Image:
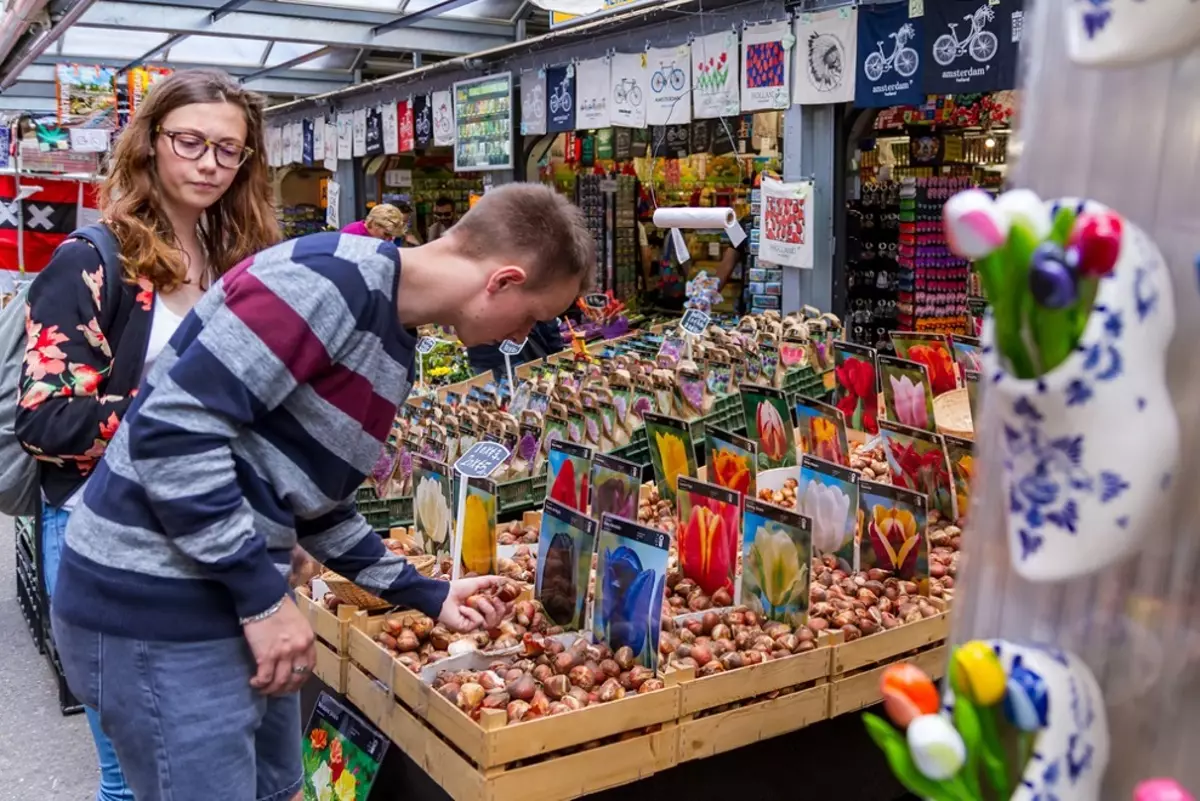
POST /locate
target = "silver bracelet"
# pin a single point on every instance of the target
(263, 615)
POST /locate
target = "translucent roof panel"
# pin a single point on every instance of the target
(337, 60)
(218, 50)
(482, 9)
(102, 43)
(387, 6)
(286, 51)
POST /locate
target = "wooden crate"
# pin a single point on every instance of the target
(331, 668)
(331, 628)
(552, 777)
(751, 722)
(861, 690)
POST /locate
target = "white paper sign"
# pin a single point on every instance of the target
(670, 85)
(715, 83)
(333, 194)
(533, 102)
(318, 129)
(591, 94)
(274, 146)
(285, 152)
(360, 132)
(443, 119)
(297, 142)
(345, 136)
(629, 90)
(826, 54)
(331, 146)
(89, 140)
(786, 236)
(391, 128)
(398, 178)
(766, 66)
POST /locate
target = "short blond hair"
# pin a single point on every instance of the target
(532, 226)
(386, 219)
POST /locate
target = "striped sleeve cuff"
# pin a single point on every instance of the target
(254, 582)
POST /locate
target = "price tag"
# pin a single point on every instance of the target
(426, 345)
(481, 460)
(916, 8)
(510, 348)
(694, 322)
(596, 300)
(89, 140)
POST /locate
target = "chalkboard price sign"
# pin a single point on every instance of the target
(694, 322)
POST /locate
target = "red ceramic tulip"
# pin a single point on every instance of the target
(1096, 243)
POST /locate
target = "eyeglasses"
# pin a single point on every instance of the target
(192, 147)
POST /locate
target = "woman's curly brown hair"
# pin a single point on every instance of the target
(237, 226)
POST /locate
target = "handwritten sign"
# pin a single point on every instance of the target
(694, 322)
(596, 300)
(426, 345)
(510, 348)
(481, 460)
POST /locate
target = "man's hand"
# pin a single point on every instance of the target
(484, 612)
(282, 644)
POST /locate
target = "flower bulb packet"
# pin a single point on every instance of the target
(961, 453)
(709, 535)
(769, 423)
(856, 385)
(971, 380)
(907, 393)
(932, 350)
(672, 453)
(894, 533)
(828, 496)
(475, 552)
(631, 572)
(566, 542)
(768, 358)
(821, 431)
(568, 467)
(731, 460)
(776, 556)
(918, 461)
(968, 354)
(433, 502)
(615, 486)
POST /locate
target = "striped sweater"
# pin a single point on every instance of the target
(251, 433)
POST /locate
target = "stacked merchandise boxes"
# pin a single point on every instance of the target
(872, 267)
(933, 281)
(609, 206)
(764, 281)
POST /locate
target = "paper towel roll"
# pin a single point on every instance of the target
(694, 218)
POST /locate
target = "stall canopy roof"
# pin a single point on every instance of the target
(282, 48)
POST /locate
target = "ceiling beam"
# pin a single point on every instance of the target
(408, 20)
(274, 85)
(170, 42)
(286, 65)
(42, 71)
(35, 105)
(178, 20)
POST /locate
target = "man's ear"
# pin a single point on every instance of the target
(507, 276)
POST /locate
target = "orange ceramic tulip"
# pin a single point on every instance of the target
(907, 693)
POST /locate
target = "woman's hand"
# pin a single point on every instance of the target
(283, 647)
(485, 612)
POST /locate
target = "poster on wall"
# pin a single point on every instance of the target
(318, 148)
(766, 66)
(422, 120)
(345, 136)
(374, 137)
(87, 96)
(360, 132)
(391, 128)
(533, 102)
(826, 50)
(560, 102)
(443, 119)
(138, 83)
(331, 146)
(888, 71)
(483, 123)
(670, 85)
(716, 89)
(971, 46)
(629, 90)
(785, 236)
(591, 94)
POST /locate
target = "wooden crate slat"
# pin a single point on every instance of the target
(725, 731)
(719, 689)
(888, 644)
(330, 668)
(862, 690)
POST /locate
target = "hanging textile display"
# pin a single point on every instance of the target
(405, 132)
(670, 85)
(766, 67)
(533, 102)
(629, 88)
(716, 89)
(971, 45)
(318, 139)
(306, 143)
(138, 82)
(785, 237)
(560, 102)
(826, 49)
(889, 57)
(5, 143)
(345, 136)
(360, 132)
(374, 132)
(50, 215)
(331, 146)
(443, 119)
(391, 128)
(274, 143)
(422, 120)
(591, 94)
(289, 144)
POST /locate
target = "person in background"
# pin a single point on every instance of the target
(443, 218)
(407, 237)
(186, 198)
(384, 221)
(543, 340)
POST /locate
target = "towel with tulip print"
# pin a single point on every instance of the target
(778, 548)
(630, 582)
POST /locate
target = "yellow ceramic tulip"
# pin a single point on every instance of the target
(673, 456)
(479, 536)
(978, 673)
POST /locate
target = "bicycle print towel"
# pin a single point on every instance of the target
(766, 65)
(406, 132)
(715, 85)
(533, 102)
(443, 119)
(889, 57)
(560, 102)
(422, 120)
(971, 45)
(826, 50)
(591, 94)
(629, 89)
(670, 85)
(787, 215)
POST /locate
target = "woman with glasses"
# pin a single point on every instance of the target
(186, 199)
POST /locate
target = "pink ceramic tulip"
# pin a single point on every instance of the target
(1161, 790)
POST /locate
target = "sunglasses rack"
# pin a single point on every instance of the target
(873, 267)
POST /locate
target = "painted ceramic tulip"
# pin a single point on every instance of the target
(910, 401)
(895, 539)
(975, 228)
(1105, 33)
(627, 596)
(1161, 790)
(674, 458)
(706, 549)
(907, 693)
(828, 507)
(977, 673)
(433, 518)
(936, 747)
(777, 568)
(771, 432)
(1026, 698)
(479, 536)
(731, 470)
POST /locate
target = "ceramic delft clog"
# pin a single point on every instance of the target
(1124, 32)
(1089, 449)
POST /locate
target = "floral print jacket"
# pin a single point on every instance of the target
(87, 334)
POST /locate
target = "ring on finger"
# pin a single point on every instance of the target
(299, 670)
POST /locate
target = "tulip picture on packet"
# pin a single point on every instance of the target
(566, 543)
(821, 429)
(894, 533)
(962, 468)
(433, 500)
(477, 551)
(615, 486)
(918, 461)
(631, 573)
(907, 393)
(775, 560)
(769, 423)
(709, 534)
(569, 466)
(933, 351)
(971, 379)
(968, 353)
(671, 452)
(856, 391)
(732, 461)
(828, 495)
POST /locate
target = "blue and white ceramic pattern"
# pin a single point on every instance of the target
(1089, 449)
(1125, 32)
(1071, 753)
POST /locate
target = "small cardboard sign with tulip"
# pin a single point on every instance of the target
(933, 351)
(907, 393)
(567, 474)
(769, 423)
(856, 391)
(615, 486)
(709, 536)
(476, 550)
(961, 453)
(566, 543)
(828, 495)
(821, 429)
(433, 500)
(968, 353)
(919, 462)
(671, 452)
(631, 572)
(894, 533)
(732, 461)
(775, 560)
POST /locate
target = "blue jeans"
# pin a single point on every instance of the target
(183, 717)
(112, 781)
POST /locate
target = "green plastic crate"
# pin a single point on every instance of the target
(726, 414)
